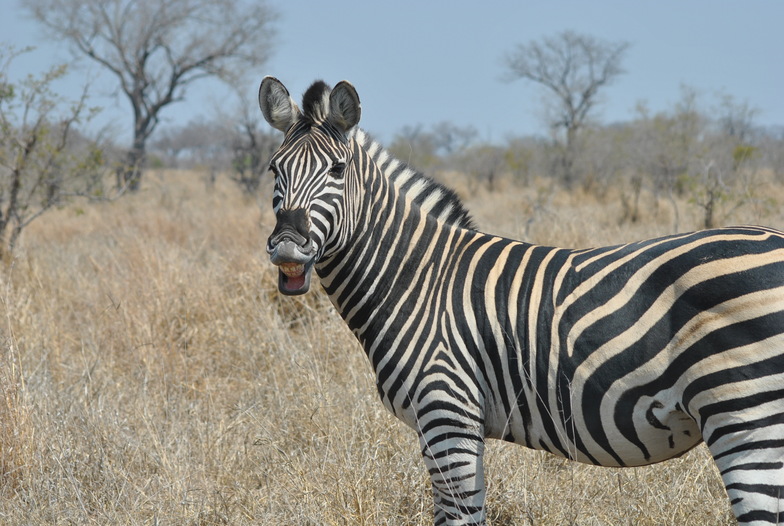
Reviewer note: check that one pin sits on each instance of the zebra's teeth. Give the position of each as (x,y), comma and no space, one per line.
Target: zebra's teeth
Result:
(292,270)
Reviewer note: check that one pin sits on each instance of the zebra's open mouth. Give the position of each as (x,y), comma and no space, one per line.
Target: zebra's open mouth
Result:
(294,256)
(294,278)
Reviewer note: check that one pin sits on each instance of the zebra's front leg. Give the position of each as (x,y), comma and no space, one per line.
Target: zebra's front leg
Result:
(453,457)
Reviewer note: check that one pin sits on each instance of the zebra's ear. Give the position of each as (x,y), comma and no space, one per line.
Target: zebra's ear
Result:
(344,106)
(276,104)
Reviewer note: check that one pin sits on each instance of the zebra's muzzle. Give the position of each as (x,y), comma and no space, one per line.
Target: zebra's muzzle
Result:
(292,249)
(294,264)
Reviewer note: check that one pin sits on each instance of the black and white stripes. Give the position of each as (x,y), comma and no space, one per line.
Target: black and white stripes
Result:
(615,356)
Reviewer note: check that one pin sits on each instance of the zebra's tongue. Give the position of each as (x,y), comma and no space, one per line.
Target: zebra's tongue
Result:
(293,278)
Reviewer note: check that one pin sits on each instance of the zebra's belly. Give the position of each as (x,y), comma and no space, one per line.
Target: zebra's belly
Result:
(659,430)
(652,430)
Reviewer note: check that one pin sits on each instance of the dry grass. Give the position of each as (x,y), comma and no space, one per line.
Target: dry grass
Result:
(151,374)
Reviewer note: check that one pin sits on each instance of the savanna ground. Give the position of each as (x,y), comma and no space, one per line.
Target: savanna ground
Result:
(150,373)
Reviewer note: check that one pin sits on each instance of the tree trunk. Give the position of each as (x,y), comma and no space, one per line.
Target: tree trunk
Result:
(710,207)
(12,207)
(569,155)
(129,174)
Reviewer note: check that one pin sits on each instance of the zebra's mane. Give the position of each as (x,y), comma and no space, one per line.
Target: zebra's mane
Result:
(431,196)
(315,101)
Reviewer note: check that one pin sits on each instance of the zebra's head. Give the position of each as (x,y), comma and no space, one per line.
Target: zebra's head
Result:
(310,169)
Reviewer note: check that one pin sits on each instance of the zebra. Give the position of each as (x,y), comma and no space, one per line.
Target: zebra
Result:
(616,356)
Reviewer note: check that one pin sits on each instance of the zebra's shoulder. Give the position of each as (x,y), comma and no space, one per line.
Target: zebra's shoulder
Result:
(430,195)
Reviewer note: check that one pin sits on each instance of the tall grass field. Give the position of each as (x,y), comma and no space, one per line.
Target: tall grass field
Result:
(151,374)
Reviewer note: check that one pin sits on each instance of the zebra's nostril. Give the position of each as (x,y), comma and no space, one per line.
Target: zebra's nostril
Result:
(293,226)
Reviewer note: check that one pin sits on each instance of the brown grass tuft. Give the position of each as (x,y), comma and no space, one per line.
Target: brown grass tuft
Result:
(16,433)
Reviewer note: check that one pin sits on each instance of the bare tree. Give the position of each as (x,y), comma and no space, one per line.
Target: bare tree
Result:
(235,142)
(436,148)
(252,146)
(736,119)
(200,144)
(485,163)
(158,48)
(451,138)
(772,150)
(417,146)
(573,68)
(43,159)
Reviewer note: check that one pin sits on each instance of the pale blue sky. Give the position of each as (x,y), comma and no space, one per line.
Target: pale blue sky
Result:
(421,62)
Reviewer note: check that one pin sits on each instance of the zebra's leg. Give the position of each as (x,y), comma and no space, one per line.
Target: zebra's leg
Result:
(454,460)
(749,453)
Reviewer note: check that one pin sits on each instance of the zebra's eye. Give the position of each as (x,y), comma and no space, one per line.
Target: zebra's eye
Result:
(337,170)
(273,171)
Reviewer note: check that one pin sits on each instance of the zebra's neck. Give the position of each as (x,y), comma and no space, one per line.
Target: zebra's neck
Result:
(403,215)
